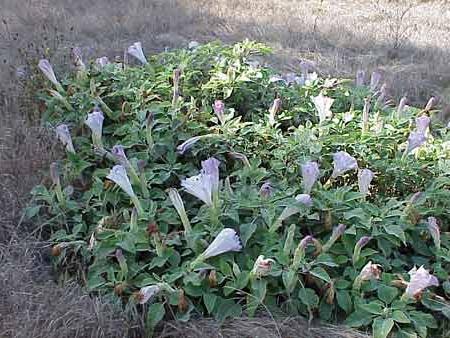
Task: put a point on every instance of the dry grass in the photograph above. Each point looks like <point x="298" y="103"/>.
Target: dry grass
<point x="339" y="36"/>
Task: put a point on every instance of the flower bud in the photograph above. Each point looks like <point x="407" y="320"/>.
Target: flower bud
<point x="266" y="190"/>
<point x="212" y="279"/>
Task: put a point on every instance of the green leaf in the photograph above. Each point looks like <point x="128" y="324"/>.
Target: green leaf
<point x="375" y="307"/>
<point x="387" y="293"/>
<point x="155" y="314"/>
<point x="406" y="334"/>
<point x="400" y="317"/>
<point x="344" y="300"/>
<point x="30" y="212"/>
<point x="226" y="308"/>
<point x="308" y="297"/>
<point x="395" y="230"/>
<point x="210" y="301"/>
<point x="320" y="273"/>
<point x="358" y="319"/>
<point x="246" y="231"/>
<point x="381" y="327"/>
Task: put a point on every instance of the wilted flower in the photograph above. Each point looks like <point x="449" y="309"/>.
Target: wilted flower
<point x="95" y="122"/>
<point x="434" y="230"/>
<point x="323" y="105"/>
<point x="422" y="124"/>
<point x="262" y="267"/>
<point x="415" y="140"/>
<point x="102" y="61"/>
<point x="148" y="292"/>
<point x="219" y="110"/>
<point x="136" y="50"/>
<point x="186" y="145"/>
<point x="276" y="107"/>
<point x="365" y="176"/>
<point x="204" y="185"/>
<point x="310" y="174"/>
<point x="299" y="253"/>
<point x="430" y="104"/>
<point x="360" y="74"/>
<point x="370" y="271"/>
<point x="47" y="69"/>
<point x="362" y="242"/>
<point x="337" y="232"/>
<point x="266" y="190"/>
<point x="178" y="204"/>
<point x="77" y="59"/>
<point x="63" y="134"/>
<point x="343" y="162"/>
<point x="420" y="279"/>
<point x="375" y="80"/>
<point x="304" y="199"/>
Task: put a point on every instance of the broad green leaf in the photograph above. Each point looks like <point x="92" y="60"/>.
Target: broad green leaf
<point x="210" y="301"/>
<point x="387" y="293"/>
<point x="381" y="327"/>
<point x="155" y="314"/>
<point x="400" y="317"/>
<point x="246" y="231"/>
<point x="308" y="297"/>
<point x="320" y="273"/>
<point x="375" y="308"/>
<point x="344" y="300"/>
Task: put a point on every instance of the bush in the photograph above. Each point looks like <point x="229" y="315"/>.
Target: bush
<point x="203" y="183"/>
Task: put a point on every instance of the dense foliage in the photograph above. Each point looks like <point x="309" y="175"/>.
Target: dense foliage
<point x="201" y="183"/>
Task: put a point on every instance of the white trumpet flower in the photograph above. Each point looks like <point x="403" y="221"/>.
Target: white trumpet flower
<point x="343" y="162"/>
<point x="420" y="279"/>
<point x="323" y="105"/>
<point x="95" y="122"/>
<point x="365" y="176"/>
<point x="227" y="240"/>
<point x="310" y="174"/>
<point x="63" y="134"/>
<point x="118" y="175"/>
<point x="148" y="292"/>
<point x="136" y="50"/>
<point x="370" y="271"/>
<point x="178" y="204"/>
<point x="46" y="68"/>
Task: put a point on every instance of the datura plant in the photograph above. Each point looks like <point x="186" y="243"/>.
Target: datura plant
<point x="200" y="182"/>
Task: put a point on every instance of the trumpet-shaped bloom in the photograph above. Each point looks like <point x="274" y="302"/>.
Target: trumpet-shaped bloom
<point x="422" y="124"/>
<point x="363" y="241"/>
<point x="276" y="78"/>
<point x="136" y="50"/>
<point x="206" y="183"/>
<point x="95" y="122"/>
<point x="178" y="204"/>
<point x="365" y="115"/>
<point x="365" y="177"/>
<point x="227" y="240"/>
<point x="310" y="174"/>
<point x="415" y="140"/>
<point x="148" y="292"/>
<point x="375" y="80"/>
<point x="47" y="69"/>
<point x="262" y="267"/>
<point x="63" y="134"/>
<point x="188" y="144"/>
<point x="360" y="78"/>
<point x="304" y="199"/>
<point x="118" y="175"/>
<point x="343" y="162"/>
<point x="370" y="271"/>
<point x="420" y="279"/>
<point x="434" y="230"/>
<point x="219" y="110"/>
<point x="101" y="61"/>
<point x="266" y="190"/>
<point x="401" y="106"/>
<point x="323" y="105"/>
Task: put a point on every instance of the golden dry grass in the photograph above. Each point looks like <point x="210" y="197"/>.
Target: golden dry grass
<point x="412" y="50"/>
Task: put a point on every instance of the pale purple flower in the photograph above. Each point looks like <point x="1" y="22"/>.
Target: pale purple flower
<point x="420" y="279"/>
<point x="77" y="59"/>
<point x="370" y="271"/>
<point x="262" y="267"/>
<point x="434" y="230"/>
<point x="188" y="144"/>
<point x="415" y="140"/>
<point x="118" y="175"/>
<point x="422" y="124"/>
<point x="204" y="185"/>
<point x="227" y="240"/>
<point x="415" y="197"/>
<point x="310" y="174"/>
<point x="305" y="241"/>
<point x="266" y="190"/>
<point x="365" y="177"/>
<point x="148" y="292"/>
<point x="304" y="199"/>
<point x="178" y="204"/>
<point x="299" y="252"/>
<point x="119" y="154"/>
<point x="323" y="105"/>
<point x="94" y="121"/>
<point x="219" y="110"/>
<point x="136" y="50"/>
<point x="375" y="80"/>
<point x="363" y="241"/>
<point x="63" y="134"/>
<point x="102" y="62"/>
<point x="337" y="232"/>
<point x="401" y="106"/>
<point x="47" y="69"/>
<point x="274" y="110"/>
<point x="22" y="72"/>
<point x="360" y="74"/>
<point x="343" y="162"/>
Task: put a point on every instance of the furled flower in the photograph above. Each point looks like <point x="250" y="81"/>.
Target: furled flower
<point x="47" y="69"/>
<point x="365" y="176"/>
<point x="136" y="50"/>
<point x="219" y="110"/>
<point x="118" y="175"/>
<point x="430" y="104"/>
<point x="360" y="74"/>
<point x="63" y="134"/>
<point x="362" y="242"/>
<point x="95" y="122"/>
<point x="422" y="124"/>
<point x="401" y="106"/>
<point x="337" y="232"/>
<point x="416" y="197"/>
<point x="148" y="292"/>
<point x="299" y="253"/>
<point x="77" y="59"/>
<point x="305" y="241"/>
<point x="434" y="230"/>
<point x="415" y="140"/>
<point x="119" y="154"/>
<point x="178" y="204"/>
<point x="262" y="267"/>
<point x="204" y="185"/>
<point x="310" y="174"/>
<point x="227" y="240"/>
<point x="370" y="271"/>
<point x="323" y="105"/>
<point x="188" y="144"/>
<point x="274" y="110"/>
<point x="304" y="199"/>
<point x="420" y="279"/>
<point x="266" y="190"/>
<point x="343" y="162"/>
<point x="102" y="62"/>
<point x="375" y="80"/>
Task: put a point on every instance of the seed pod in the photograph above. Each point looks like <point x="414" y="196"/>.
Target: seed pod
<point x="212" y="279"/>
<point x="183" y="304"/>
<point x="56" y="250"/>
<point x="327" y="219"/>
